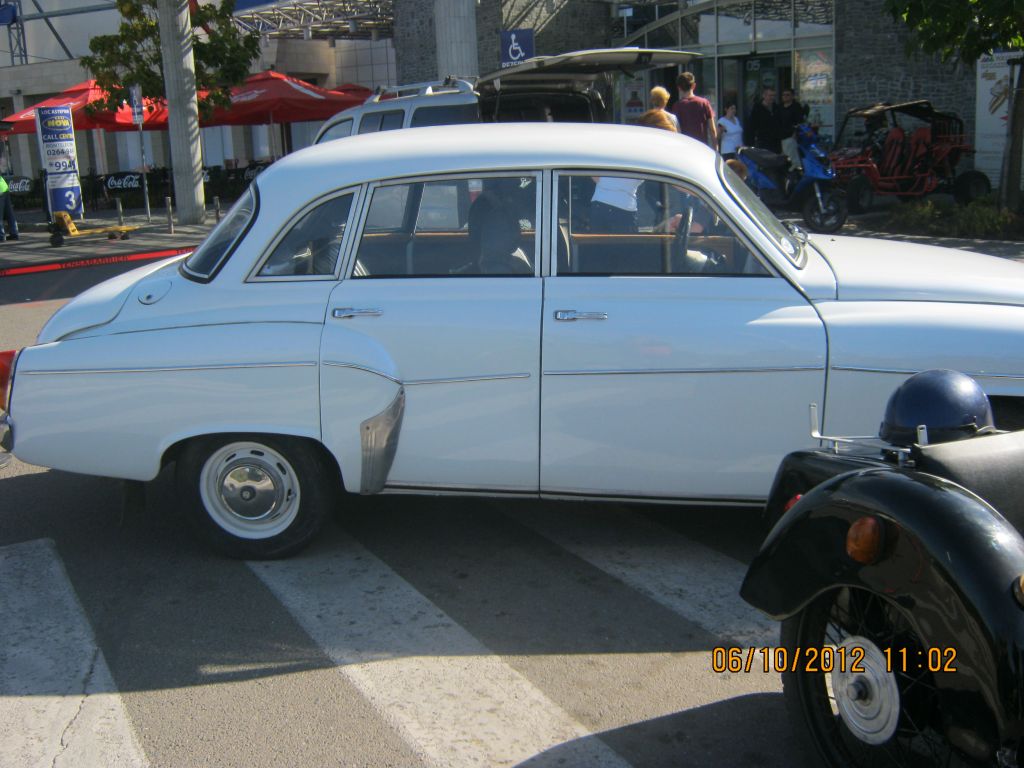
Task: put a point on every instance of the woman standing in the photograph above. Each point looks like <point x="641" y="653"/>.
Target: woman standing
<point x="659" y="100"/>
<point x="730" y="138"/>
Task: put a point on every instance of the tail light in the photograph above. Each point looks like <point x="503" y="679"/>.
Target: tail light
<point x="6" y="370"/>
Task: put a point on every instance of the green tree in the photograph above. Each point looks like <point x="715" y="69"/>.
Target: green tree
<point x="966" y="29"/>
<point x="222" y="51"/>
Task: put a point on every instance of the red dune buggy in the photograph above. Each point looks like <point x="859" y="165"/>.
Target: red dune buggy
<point x="907" y="150"/>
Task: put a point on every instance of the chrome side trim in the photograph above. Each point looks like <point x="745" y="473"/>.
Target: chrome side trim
<point x="167" y="369"/>
<point x="389" y="377"/>
<point x="379" y="438"/>
<point x="498" y="492"/>
<point x="457" y="489"/>
<point x="417" y="382"/>
<point x="911" y="372"/>
<point x="738" y="503"/>
<point x="461" y="379"/>
<point x="650" y="371"/>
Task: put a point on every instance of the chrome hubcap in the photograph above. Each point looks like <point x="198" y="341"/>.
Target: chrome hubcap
<point x="868" y="699"/>
<point x="249" y="490"/>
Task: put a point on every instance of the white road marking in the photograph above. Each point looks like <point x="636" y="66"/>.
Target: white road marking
<point x="451" y="698"/>
<point x="692" y="580"/>
<point x="58" y="704"/>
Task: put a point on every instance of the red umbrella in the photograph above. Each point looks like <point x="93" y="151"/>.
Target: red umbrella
<point x="77" y="97"/>
<point x="270" y="97"/>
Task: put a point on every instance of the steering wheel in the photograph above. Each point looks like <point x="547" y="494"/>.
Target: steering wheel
<point x="681" y="241"/>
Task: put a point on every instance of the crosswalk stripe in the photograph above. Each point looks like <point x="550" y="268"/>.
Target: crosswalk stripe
<point x="692" y="580"/>
<point x="58" y="704"/>
<point x="451" y="698"/>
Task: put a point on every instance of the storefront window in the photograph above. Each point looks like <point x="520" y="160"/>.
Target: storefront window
<point x="813" y="17"/>
<point x="814" y="80"/>
<point x="664" y="36"/>
<point x="736" y="23"/>
<point x="774" y="19"/>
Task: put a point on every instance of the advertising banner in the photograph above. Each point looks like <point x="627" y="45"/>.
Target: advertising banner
<point x="992" y="112"/>
<point x="56" y="134"/>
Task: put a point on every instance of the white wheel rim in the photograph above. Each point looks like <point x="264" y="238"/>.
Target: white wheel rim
<point x="249" y="490"/>
<point x="868" y="700"/>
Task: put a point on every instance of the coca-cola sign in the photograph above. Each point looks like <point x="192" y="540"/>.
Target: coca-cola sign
<point x="123" y="181"/>
<point x="252" y="171"/>
<point x="20" y="185"/>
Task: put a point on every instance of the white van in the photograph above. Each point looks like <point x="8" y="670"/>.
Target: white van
<point x="569" y="88"/>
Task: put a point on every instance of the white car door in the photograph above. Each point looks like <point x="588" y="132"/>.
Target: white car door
<point x="431" y="345"/>
<point x="676" y="367"/>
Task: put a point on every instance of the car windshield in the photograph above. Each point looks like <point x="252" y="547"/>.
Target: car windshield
<point x="790" y="245"/>
<point x="213" y="251"/>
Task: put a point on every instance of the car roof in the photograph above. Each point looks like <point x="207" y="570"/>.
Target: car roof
<point x="321" y="169"/>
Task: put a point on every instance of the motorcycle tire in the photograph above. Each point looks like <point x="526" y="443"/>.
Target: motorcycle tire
<point x="831" y="219"/>
<point x="866" y="715"/>
<point x="970" y="186"/>
<point x="859" y="194"/>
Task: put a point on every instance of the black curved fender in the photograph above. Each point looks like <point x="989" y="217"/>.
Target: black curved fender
<point x="948" y="559"/>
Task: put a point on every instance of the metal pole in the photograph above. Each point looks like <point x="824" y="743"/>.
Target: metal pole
<point x="120" y="211"/>
<point x="145" y="180"/>
<point x="216" y="207"/>
<point x="170" y="217"/>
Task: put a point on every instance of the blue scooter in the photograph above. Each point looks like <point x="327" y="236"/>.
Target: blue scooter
<point x="812" y="192"/>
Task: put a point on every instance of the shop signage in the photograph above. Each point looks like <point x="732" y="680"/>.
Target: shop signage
<point x="992" y="112"/>
<point x="56" y="133"/>
<point x="117" y="182"/>
<point x="19" y="185"/>
<point x="516" y="47"/>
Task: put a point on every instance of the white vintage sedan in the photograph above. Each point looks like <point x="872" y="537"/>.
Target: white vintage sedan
<point x="571" y="311"/>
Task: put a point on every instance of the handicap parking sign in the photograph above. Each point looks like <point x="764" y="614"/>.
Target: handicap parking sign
<point x="516" y="47"/>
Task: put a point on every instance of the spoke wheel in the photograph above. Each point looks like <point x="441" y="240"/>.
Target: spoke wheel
<point x="253" y="496"/>
<point x="872" y="716"/>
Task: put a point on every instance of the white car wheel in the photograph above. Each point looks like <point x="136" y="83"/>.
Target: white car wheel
<point x="255" y="496"/>
<point x="250" y="490"/>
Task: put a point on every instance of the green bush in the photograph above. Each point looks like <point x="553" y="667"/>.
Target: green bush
<point x="983" y="219"/>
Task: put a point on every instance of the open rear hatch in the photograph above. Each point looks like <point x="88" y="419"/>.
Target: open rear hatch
<point x="570" y="87"/>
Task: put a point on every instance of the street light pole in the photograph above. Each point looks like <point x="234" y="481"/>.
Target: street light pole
<point x="182" y="109"/>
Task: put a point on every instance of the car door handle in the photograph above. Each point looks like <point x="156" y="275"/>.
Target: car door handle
<point x="568" y="315"/>
<point x="342" y="313"/>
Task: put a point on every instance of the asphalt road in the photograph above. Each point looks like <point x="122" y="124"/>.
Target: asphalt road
<point x="416" y="632"/>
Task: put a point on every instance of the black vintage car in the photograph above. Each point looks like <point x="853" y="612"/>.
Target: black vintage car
<point x="897" y="569"/>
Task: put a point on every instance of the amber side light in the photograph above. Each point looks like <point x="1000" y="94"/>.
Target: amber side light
<point x="864" y="540"/>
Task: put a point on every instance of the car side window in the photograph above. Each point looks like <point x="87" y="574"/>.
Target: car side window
<point x="337" y="131"/>
<point x="464" y="227"/>
<point x="625" y="225"/>
<point x="381" y="121"/>
<point x="312" y="245"/>
<point x="449" y="114"/>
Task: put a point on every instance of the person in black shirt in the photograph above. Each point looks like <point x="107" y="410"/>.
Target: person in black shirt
<point x="790" y="114"/>
<point x="763" y="126"/>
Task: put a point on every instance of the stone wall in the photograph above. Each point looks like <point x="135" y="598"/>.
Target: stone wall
<point x="559" y="26"/>
<point x="872" y="64"/>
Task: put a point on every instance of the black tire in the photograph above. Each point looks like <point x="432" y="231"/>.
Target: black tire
<point x="255" y="497"/>
<point x="827" y="221"/>
<point x="859" y="194"/>
<point x="970" y="186"/>
<point x="865" y="618"/>
<point x="56" y="239"/>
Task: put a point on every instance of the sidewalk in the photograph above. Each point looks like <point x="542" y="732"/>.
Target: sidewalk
<point x="872" y="225"/>
<point x="33" y="252"/>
